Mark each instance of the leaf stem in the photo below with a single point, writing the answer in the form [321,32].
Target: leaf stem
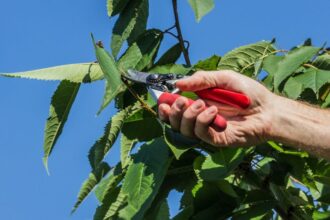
[143,104]
[178,29]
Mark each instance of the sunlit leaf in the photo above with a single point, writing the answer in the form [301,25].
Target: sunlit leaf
[218,165]
[79,73]
[201,7]
[292,61]
[114,85]
[104,144]
[243,59]
[93,179]
[210,63]
[143,179]
[311,79]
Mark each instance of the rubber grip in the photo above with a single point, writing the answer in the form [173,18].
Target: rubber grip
[227,97]
[219,122]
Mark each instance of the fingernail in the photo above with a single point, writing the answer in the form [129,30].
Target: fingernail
[211,110]
[180,103]
[197,104]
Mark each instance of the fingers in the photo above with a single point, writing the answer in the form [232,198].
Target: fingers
[163,111]
[189,118]
[225,79]
[200,80]
[203,122]
[176,112]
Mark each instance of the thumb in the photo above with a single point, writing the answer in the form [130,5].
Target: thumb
[198,81]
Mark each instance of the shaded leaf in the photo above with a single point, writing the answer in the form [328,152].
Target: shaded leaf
[322,62]
[104,144]
[292,61]
[79,73]
[144,177]
[177,142]
[131,23]
[114,85]
[141,53]
[59,110]
[243,59]
[210,63]
[170,56]
[116,6]
[218,165]
[93,179]
[201,7]
[143,130]
[126,145]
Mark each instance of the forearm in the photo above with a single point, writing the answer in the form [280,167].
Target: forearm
[301,126]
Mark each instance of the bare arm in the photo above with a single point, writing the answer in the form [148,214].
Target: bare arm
[270,117]
[300,125]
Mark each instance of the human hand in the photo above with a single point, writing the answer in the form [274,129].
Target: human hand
[245,127]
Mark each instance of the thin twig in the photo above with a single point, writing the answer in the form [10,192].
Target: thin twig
[170,28]
[310,66]
[178,29]
[143,104]
[170,33]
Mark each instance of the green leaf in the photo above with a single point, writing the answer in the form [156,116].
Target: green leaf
[114,85]
[116,6]
[160,212]
[177,142]
[186,213]
[201,7]
[218,165]
[93,179]
[322,62]
[243,59]
[109,183]
[130,24]
[210,63]
[291,62]
[317,215]
[311,79]
[141,53]
[143,130]
[104,144]
[171,68]
[270,65]
[59,110]
[144,177]
[262,211]
[170,56]
[79,73]
[126,145]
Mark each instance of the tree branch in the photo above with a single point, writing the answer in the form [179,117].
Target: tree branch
[178,29]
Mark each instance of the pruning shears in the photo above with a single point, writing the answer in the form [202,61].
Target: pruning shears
[163,90]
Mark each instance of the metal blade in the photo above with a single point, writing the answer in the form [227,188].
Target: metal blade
[136,76]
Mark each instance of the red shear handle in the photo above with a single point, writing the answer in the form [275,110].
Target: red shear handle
[231,98]
[219,122]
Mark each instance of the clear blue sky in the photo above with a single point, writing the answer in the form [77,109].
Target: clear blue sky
[39,33]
